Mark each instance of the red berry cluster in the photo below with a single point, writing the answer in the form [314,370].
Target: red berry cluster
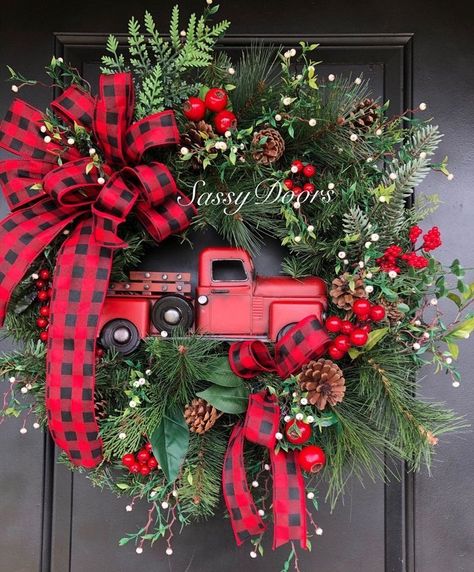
[143,463]
[43,285]
[414,233]
[350,334]
[300,172]
[215,101]
[431,239]
[389,261]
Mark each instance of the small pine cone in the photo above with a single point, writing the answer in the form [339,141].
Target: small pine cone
[271,150]
[343,293]
[200,416]
[100,406]
[324,383]
[392,312]
[364,116]
[195,137]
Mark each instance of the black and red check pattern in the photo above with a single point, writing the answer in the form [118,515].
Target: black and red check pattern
[260,426]
[305,341]
[83,265]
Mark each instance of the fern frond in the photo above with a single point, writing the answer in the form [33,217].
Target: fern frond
[139,57]
[174,28]
[150,97]
[116,62]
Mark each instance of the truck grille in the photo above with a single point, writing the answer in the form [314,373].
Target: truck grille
[257,309]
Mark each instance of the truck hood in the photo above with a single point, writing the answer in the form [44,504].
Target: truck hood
[285,287]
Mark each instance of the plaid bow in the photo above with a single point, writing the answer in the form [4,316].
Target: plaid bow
[44,198]
[305,341]
[260,426]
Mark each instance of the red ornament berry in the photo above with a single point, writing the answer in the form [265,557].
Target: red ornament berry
[43,295]
[145,470]
[44,274]
[377,313]
[128,460]
[216,99]
[335,353]
[42,322]
[359,337]
[298,164]
[363,317]
[134,468]
[44,336]
[40,284]
[152,463]
[361,307]
[297,432]
[342,343]
[224,121]
[297,190]
[44,311]
[143,456]
[149,447]
[288,184]
[333,324]
[365,328]
[346,327]
[311,459]
[194,109]
[99,352]
[309,171]
[414,233]
[309,187]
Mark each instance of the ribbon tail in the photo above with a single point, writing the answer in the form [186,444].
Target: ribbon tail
[289,505]
[80,284]
[23,237]
[245,520]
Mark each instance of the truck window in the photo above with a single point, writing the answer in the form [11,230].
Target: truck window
[228,271]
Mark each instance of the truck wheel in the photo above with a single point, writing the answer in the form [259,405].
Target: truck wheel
[171,313]
[285,330]
[120,335]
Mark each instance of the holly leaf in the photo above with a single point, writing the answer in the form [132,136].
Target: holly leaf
[221,374]
[227,399]
[170,442]
[375,337]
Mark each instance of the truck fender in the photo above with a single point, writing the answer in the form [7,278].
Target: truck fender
[136,311]
[290,312]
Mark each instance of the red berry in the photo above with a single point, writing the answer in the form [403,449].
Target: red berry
[297,190]
[342,343]
[333,324]
[377,313]
[346,327]
[309,187]
[359,337]
[44,336]
[298,164]
[288,184]
[311,459]
[149,447]
[43,295]
[42,322]
[40,284]
[365,328]
[128,460]
[44,274]
[361,306]
[44,311]
[414,233]
[194,109]
[99,352]
[224,121]
[216,99]
[363,317]
[143,456]
[145,470]
[335,353]
[297,432]
[309,171]
[152,463]
[134,468]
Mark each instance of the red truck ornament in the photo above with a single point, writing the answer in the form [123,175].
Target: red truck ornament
[230,303]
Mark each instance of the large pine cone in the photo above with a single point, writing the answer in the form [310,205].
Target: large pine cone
[343,294]
[392,312]
[271,150]
[364,115]
[200,416]
[324,383]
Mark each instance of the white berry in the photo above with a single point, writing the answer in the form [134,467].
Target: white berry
[34,276]
[24,390]
[129,508]
[312,122]
[47,139]
[450,177]
[456,384]
[142,381]
[23,430]
[353,137]
[369,275]
[310,495]
[434,301]
[310,419]
[152,494]
[266,467]
[164,505]
[15,88]
[292,52]
[341,254]
[148,372]
[175,493]
[392,176]
[297,238]
[101,181]
[378,132]
[369,289]
[368,244]
[296,205]
[228,133]
[183,33]
[361,264]
[382,199]
[287,101]
[426,335]
[71,141]
[345,261]
[43,129]
[319,531]
[255,484]
[184,150]
[423,106]
[417,322]
[310,228]
[286,418]
[132,404]
[331,186]
[253,554]
[449,360]
[278,436]
[422,155]
[261,512]
[92,151]
[358,81]
[304,401]
[169,551]
[122,436]
[164,334]
[299,417]
[331,77]
[369,159]
[12,379]
[231,71]
[374,237]
[416,346]
[392,274]
[277,117]
[139,550]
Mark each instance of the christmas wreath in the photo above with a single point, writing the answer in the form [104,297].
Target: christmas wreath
[256,388]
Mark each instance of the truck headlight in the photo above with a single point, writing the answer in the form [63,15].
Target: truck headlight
[202,300]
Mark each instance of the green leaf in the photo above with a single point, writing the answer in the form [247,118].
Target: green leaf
[122,486]
[375,337]
[170,442]
[221,374]
[353,353]
[227,399]
[463,329]
[453,349]
[455,298]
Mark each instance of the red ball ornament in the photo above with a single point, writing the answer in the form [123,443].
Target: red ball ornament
[44,274]
[44,336]
[216,99]
[143,456]
[335,353]
[346,327]
[149,447]
[297,432]
[43,295]
[309,187]
[298,164]
[145,470]
[44,311]
[40,284]
[342,343]
[194,109]
[42,322]
[224,121]
[134,468]
[311,459]
[128,460]
[377,313]
[309,171]
[333,324]
[361,307]
[152,463]
[288,184]
[359,337]
[297,190]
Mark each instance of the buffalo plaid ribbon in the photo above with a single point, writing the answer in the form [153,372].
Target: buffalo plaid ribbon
[48,187]
[260,426]
[302,343]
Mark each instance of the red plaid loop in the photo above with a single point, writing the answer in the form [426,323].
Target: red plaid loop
[307,340]
[45,198]
[260,426]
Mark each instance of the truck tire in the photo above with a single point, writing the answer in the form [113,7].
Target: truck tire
[285,330]
[172,313]
[120,335]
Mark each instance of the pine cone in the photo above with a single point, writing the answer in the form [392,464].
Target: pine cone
[100,406]
[392,312]
[195,137]
[324,383]
[364,116]
[271,150]
[200,416]
[341,292]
